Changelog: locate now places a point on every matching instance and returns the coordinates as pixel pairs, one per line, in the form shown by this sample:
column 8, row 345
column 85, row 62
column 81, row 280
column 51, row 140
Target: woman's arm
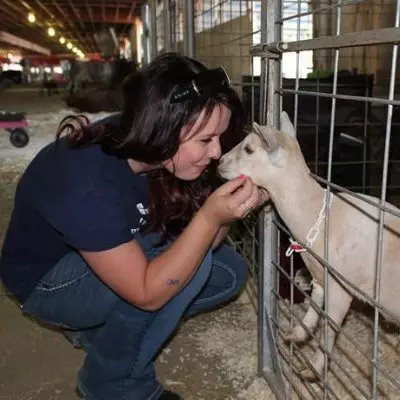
column 150, row 284
column 220, row 236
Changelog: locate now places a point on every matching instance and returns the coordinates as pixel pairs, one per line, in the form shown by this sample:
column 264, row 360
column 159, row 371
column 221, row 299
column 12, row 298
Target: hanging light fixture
column 31, row 17
column 51, row 31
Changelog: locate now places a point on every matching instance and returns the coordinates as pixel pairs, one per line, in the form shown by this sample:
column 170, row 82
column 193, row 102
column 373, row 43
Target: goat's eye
column 248, row 149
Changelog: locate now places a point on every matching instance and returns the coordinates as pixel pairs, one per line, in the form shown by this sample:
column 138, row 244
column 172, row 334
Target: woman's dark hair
column 149, row 132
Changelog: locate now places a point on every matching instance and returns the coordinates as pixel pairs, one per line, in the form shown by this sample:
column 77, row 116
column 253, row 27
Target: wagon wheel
column 19, row 138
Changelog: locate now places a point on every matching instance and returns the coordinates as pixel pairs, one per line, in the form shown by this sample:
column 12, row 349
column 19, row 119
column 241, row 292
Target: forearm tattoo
column 173, row 281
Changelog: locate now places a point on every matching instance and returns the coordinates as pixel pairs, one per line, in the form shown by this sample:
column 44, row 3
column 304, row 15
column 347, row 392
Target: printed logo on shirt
column 142, row 221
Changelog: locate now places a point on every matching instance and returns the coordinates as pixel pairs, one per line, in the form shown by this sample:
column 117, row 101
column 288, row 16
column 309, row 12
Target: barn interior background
column 331, row 65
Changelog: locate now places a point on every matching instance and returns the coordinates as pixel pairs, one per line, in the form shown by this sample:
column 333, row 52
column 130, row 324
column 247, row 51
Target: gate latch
column 269, row 50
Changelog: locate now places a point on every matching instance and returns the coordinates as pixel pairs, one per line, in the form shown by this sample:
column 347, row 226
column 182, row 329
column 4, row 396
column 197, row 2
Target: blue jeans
column 121, row 340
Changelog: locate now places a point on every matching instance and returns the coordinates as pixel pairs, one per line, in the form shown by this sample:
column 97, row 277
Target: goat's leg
column 298, row 333
column 338, row 305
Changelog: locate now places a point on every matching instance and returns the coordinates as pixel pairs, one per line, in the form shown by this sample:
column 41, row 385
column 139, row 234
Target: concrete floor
column 212, row 357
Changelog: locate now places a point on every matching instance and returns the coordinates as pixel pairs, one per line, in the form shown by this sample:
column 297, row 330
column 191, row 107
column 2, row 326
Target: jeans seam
column 60, row 286
column 132, row 363
column 220, row 294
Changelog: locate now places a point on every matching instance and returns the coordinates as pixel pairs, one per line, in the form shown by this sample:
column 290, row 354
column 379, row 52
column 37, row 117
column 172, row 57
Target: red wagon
column 17, row 125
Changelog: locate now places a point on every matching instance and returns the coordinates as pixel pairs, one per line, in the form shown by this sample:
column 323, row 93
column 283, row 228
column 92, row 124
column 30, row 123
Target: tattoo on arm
column 173, row 281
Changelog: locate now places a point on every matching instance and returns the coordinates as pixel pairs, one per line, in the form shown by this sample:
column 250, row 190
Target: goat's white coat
column 274, row 161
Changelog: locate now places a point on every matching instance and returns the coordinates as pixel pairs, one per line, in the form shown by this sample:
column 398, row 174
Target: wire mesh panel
column 332, row 66
column 220, row 33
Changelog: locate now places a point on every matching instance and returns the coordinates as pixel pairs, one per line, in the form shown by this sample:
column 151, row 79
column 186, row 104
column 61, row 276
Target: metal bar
column 379, row 256
column 269, row 362
column 356, row 195
column 145, row 16
column 327, row 207
column 376, row 100
column 265, row 360
column 353, row 39
column 153, row 28
column 295, row 118
column 189, row 29
column 321, row 9
column 167, row 26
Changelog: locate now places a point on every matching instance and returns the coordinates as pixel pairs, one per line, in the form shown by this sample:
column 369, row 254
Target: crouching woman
column 117, row 225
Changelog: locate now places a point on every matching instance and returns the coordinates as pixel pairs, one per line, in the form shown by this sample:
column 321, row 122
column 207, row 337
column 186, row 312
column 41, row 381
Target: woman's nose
column 215, row 150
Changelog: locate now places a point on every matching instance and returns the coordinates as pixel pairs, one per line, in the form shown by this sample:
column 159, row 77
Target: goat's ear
column 268, row 134
column 286, row 124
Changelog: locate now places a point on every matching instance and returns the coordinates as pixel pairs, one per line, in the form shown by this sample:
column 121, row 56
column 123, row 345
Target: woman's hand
column 233, row 200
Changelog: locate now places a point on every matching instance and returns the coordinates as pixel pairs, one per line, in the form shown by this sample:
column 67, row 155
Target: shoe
column 168, row 395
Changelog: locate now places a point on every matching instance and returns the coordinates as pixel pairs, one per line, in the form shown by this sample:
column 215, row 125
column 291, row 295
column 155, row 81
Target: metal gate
column 346, row 116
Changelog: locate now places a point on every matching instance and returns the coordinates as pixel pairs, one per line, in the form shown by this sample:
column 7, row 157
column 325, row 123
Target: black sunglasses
column 203, row 84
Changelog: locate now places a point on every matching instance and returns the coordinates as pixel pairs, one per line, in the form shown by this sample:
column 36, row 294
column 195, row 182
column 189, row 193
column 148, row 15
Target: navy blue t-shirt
column 69, row 199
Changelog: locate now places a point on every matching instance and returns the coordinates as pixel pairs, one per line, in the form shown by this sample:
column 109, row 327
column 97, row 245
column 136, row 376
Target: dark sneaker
column 167, row 395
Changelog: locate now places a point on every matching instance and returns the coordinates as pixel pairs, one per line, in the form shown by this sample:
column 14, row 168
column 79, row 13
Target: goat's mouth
column 226, row 173
column 222, row 172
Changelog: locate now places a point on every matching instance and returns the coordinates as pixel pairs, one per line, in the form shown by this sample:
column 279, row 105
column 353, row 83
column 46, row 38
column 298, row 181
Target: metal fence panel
column 345, row 111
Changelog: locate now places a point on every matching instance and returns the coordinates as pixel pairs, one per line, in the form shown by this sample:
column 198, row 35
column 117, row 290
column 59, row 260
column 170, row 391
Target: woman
column 116, row 229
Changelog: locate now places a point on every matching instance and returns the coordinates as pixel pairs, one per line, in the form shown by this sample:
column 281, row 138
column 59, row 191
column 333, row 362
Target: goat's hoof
column 292, row 336
column 308, row 375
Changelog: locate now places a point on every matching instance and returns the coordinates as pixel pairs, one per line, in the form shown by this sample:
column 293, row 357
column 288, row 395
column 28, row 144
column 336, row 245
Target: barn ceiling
column 78, row 21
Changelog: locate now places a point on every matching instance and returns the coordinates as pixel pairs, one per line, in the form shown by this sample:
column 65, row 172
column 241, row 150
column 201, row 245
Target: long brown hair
column 148, row 130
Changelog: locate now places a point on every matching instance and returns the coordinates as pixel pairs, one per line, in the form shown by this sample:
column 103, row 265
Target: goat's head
column 266, row 155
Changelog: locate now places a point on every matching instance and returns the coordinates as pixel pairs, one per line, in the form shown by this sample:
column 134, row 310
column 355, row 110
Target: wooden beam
column 22, row 43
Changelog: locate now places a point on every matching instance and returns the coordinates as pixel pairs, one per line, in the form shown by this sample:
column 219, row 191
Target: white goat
column 274, row 161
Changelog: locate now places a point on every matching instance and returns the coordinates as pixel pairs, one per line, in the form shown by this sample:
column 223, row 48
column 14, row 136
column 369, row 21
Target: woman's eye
column 206, row 140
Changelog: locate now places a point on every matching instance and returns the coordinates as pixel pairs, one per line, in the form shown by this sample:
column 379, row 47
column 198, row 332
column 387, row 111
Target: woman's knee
column 237, row 266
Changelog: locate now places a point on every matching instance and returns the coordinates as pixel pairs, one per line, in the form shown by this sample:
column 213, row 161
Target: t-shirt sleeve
column 89, row 220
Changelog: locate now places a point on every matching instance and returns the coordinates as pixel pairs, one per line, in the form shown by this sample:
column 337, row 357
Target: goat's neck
column 299, row 202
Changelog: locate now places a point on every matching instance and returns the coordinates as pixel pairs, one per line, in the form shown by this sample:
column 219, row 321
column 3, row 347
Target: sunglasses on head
column 203, row 84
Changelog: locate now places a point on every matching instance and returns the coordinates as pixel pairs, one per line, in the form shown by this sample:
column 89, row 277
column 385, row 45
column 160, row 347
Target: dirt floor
column 212, row 357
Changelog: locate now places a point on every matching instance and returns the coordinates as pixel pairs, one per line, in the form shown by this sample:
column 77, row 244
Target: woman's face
column 199, row 146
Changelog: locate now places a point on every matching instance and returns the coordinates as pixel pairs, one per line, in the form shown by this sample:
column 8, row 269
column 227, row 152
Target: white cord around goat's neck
column 296, row 247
